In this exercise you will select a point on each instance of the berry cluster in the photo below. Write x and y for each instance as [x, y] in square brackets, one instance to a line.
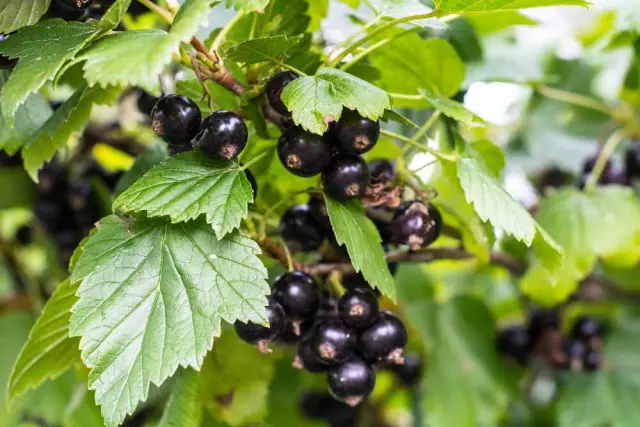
[343, 338]
[582, 347]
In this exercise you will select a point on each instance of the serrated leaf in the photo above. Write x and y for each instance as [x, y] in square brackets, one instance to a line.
[353, 229]
[48, 351]
[266, 49]
[184, 408]
[247, 5]
[151, 298]
[487, 23]
[114, 14]
[458, 6]
[43, 50]
[70, 118]
[452, 108]
[109, 61]
[155, 154]
[189, 185]
[315, 101]
[16, 14]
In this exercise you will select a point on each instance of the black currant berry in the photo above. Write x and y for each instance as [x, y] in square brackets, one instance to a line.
[79, 194]
[384, 340]
[298, 294]
[69, 10]
[592, 361]
[328, 308]
[416, 225]
[355, 134]
[303, 153]
[382, 171]
[318, 209]
[358, 308]
[632, 160]
[252, 180]
[262, 335]
[575, 350]
[586, 328]
[298, 227]
[346, 178]
[145, 101]
[24, 235]
[514, 342]
[332, 341]
[410, 372]
[322, 406]
[174, 149]
[351, 381]
[5, 62]
[275, 87]
[223, 135]
[541, 322]
[306, 358]
[176, 119]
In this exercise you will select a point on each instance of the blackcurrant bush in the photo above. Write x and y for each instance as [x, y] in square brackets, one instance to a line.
[384, 340]
[332, 341]
[409, 372]
[541, 322]
[69, 10]
[145, 101]
[306, 358]
[416, 224]
[252, 180]
[298, 294]
[358, 308]
[24, 235]
[303, 153]
[176, 118]
[318, 210]
[346, 178]
[514, 343]
[351, 381]
[223, 135]
[5, 62]
[382, 171]
[592, 361]
[275, 86]
[355, 134]
[586, 328]
[298, 227]
[632, 160]
[262, 335]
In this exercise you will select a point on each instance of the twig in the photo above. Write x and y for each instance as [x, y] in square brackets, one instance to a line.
[276, 251]
[17, 301]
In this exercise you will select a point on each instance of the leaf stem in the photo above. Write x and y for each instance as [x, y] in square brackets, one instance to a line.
[164, 14]
[335, 51]
[364, 53]
[601, 162]
[254, 160]
[573, 98]
[425, 148]
[407, 96]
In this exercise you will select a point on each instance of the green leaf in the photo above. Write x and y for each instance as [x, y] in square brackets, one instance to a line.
[353, 229]
[151, 298]
[239, 5]
[72, 117]
[487, 23]
[464, 367]
[316, 101]
[155, 154]
[109, 61]
[453, 109]
[17, 188]
[189, 185]
[82, 411]
[16, 14]
[267, 49]
[48, 351]
[114, 15]
[184, 408]
[398, 8]
[43, 50]
[457, 6]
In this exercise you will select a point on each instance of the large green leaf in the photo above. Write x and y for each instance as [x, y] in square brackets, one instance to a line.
[189, 185]
[17, 188]
[398, 8]
[16, 14]
[184, 408]
[353, 229]
[452, 108]
[152, 297]
[266, 49]
[461, 6]
[155, 154]
[316, 101]
[14, 328]
[48, 351]
[43, 50]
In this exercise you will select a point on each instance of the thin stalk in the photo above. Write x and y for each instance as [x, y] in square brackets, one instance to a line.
[573, 98]
[164, 14]
[364, 53]
[425, 148]
[407, 97]
[351, 38]
[254, 160]
[604, 156]
[287, 254]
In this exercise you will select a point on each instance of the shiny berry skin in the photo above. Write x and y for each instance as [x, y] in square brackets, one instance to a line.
[382, 171]
[254, 333]
[145, 101]
[384, 340]
[514, 343]
[303, 153]
[298, 294]
[586, 328]
[541, 322]
[416, 225]
[306, 358]
[223, 135]
[275, 86]
[5, 62]
[346, 178]
[358, 308]
[351, 381]
[632, 160]
[176, 119]
[409, 372]
[355, 134]
[332, 342]
[592, 361]
[69, 10]
[298, 227]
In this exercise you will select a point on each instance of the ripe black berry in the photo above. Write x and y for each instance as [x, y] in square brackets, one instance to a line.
[275, 87]
[252, 180]
[328, 307]
[175, 118]
[382, 171]
[346, 178]
[298, 227]
[611, 174]
[223, 135]
[294, 332]
[514, 342]
[416, 225]
[262, 335]
[69, 10]
[318, 210]
[541, 322]
[145, 101]
[586, 328]
[306, 358]
[5, 62]
[303, 153]
[355, 134]
[351, 381]
[358, 308]
[79, 194]
[592, 361]
[632, 160]
[409, 372]
[384, 340]
[332, 341]
[298, 294]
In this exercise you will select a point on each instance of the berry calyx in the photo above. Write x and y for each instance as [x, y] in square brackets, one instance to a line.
[275, 86]
[346, 178]
[223, 135]
[355, 134]
[410, 372]
[176, 119]
[382, 171]
[358, 308]
[332, 341]
[262, 335]
[351, 381]
[514, 342]
[299, 228]
[384, 340]
[303, 153]
[306, 358]
[586, 328]
[416, 224]
[298, 294]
